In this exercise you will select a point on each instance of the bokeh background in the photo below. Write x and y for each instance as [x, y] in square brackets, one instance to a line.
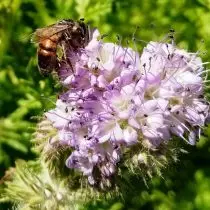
[25, 95]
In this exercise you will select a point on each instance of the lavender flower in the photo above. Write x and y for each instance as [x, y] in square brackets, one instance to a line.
[117, 99]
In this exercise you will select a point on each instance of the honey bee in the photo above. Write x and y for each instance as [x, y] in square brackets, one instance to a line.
[66, 34]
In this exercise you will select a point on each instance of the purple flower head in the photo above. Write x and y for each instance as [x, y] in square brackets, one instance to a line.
[117, 99]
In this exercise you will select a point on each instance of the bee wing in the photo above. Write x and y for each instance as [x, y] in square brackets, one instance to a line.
[44, 33]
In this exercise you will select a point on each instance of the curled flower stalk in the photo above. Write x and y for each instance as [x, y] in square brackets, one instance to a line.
[121, 115]
[120, 107]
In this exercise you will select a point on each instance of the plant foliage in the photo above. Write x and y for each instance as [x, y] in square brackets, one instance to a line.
[25, 95]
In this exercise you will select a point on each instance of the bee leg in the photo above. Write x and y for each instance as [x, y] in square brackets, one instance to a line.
[70, 64]
[64, 51]
[65, 60]
[65, 57]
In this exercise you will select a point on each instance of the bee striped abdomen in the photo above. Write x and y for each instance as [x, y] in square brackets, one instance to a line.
[48, 45]
[47, 58]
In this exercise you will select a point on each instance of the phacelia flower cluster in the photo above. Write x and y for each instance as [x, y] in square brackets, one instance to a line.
[117, 98]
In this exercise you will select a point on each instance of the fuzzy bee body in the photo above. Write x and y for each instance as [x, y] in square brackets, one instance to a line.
[68, 34]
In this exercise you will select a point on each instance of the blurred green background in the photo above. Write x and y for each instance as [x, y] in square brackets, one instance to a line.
[25, 95]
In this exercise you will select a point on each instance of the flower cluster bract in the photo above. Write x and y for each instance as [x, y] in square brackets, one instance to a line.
[117, 98]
